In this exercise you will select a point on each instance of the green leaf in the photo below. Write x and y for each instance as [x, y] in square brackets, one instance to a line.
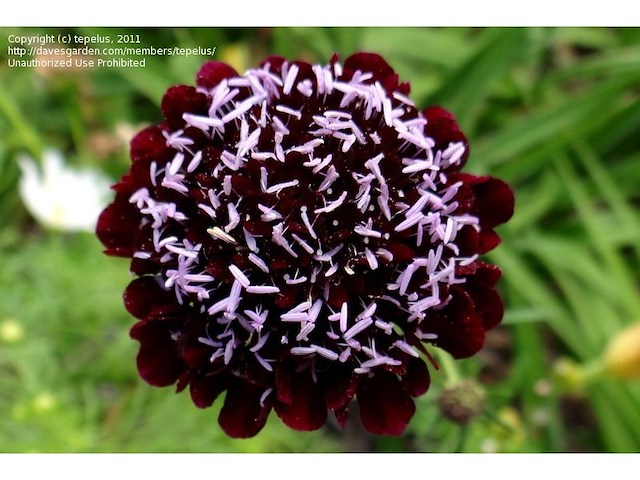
[547, 126]
[465, 89]
[615, 263]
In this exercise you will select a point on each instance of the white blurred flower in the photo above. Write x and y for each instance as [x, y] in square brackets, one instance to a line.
[61, 197]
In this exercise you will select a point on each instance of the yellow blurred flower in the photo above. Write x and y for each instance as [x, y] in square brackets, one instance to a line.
[237, 55]
[11, 331]
[622, 357]
[507, 433]
[43, 402]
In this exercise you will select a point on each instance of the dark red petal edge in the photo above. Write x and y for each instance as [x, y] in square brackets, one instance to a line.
[159, 361]
[243, 415]
[385, 407]
[212, 73]
[300, 402]
[416, 380]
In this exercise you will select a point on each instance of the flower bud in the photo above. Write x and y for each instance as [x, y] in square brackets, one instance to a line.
[568, 374]
[462, 401]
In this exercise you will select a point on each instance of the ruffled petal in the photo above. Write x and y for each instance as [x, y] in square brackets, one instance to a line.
[275, 63]
[245, 411]
[370, 63]
[459, 328]
[339, 387]
[116, 228]
[443, 128]
[149, 144]
[378, 66]
[385, 407]
[182, 99]
[416, 380]
[487, 241]
[489, 305]
[159, 361]
[204, 389]
[144, 295]
[486, 275]
[300, 403]
[494, 202]
[212, 73]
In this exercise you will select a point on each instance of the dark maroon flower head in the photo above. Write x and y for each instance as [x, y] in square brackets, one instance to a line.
[299, 234]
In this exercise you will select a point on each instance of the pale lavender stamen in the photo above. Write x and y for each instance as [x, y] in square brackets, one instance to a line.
[239, 276]
[289, 111]
[290, 79]
[307, 223]
[331, 206]
[358, 328]
[262, 289]
[259, 262]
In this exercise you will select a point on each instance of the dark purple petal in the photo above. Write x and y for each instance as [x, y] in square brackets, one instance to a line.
[385, 407]
[116, 228]
[195, 354]
[149, 144]
[459, 328]
[487, 301]
[144, 295]
[375, 64]
[300, 403]
[182, 99]
[443, 128]
[494, 202]
[275, 63]
[244, 412]
[212, 73]
[417, 379]
[368, 62]
[489, 305]
[486, 275]
[340, 387]
[487, 241]
[159, 361]
[204, 389]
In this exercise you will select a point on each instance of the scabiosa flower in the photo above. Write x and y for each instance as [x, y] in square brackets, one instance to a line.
[299, 233]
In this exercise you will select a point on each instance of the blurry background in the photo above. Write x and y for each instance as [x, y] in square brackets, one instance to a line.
[553, 111]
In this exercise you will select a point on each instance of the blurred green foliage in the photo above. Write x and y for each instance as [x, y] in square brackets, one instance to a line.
[553, 111]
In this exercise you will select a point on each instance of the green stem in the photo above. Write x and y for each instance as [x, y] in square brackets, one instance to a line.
[450, 368]
[592, 371]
